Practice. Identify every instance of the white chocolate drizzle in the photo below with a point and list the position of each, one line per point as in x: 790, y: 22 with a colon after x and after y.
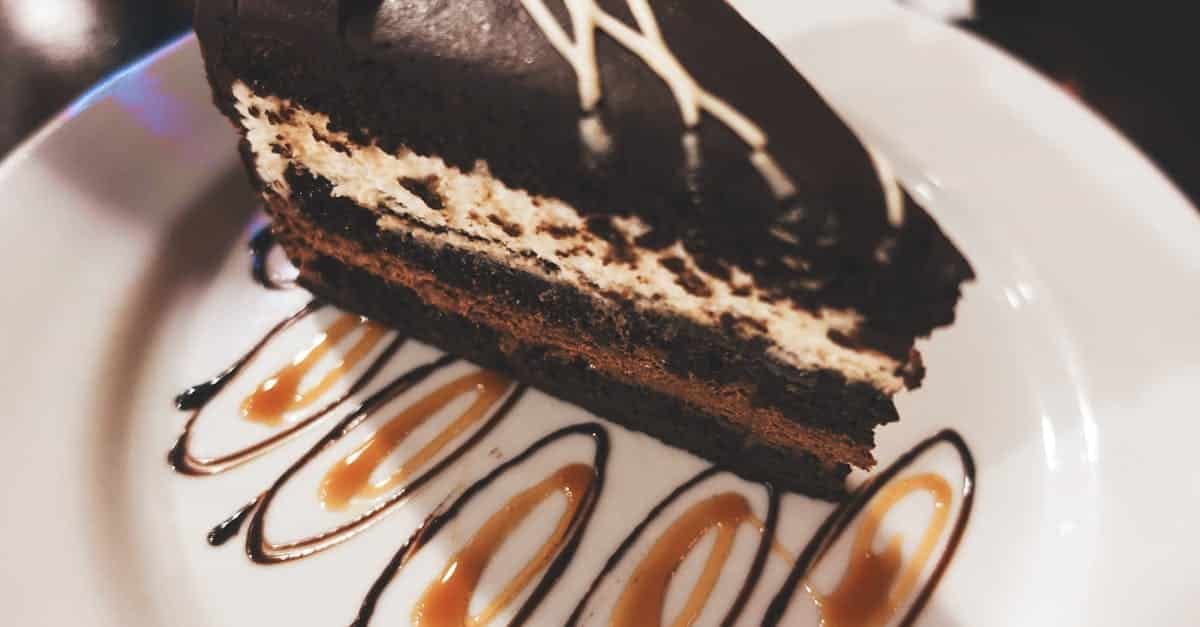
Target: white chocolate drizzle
x: 594, y: 135
x: 648, y: 44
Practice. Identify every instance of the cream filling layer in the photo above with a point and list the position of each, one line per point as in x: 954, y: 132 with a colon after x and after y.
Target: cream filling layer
x: 281, y: 133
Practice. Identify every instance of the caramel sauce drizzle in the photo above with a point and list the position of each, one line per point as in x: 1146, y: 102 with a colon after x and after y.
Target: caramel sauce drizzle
x: 644, y: 597
x: 350, y: 478
x: 262, y: 551
x: 446, y: 602
x: 777, y: 549
x: 281, y: 393
x: 876, y: 584
x: 197, y: 397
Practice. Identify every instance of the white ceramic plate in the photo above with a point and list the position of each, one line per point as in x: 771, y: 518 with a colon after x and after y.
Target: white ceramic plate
x: 1072, y: 371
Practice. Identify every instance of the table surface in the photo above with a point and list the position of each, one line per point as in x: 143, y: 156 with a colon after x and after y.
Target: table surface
x: 1132, y: 68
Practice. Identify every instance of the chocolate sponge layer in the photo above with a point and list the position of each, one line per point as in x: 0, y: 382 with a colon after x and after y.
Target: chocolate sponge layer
x: 708, y: 368
x: 319, y: 252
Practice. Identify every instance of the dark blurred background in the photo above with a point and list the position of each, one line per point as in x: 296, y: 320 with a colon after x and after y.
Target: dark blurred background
x: 1133, y: 62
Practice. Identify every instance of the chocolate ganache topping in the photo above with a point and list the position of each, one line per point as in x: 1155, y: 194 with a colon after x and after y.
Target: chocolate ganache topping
x: 677, y: 112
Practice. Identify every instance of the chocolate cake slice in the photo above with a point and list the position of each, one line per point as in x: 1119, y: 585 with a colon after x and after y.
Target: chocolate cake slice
x: 636, y: 205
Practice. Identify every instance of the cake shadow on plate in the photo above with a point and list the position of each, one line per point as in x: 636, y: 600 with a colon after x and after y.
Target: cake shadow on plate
x: 187, y: 257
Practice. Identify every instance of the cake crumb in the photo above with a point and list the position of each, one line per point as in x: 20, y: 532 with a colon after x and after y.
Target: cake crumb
x: 426, y: 190
x: 558, y: 231
x: 511, y: 229
x: 687, y: 278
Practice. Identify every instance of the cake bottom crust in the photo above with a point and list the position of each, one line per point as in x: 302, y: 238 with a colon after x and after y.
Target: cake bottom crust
x: 322, y: 260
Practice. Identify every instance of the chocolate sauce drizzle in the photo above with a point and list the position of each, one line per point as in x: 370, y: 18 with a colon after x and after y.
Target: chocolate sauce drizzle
x: 263, y: 552
x: 259, y: 550
x: 228, y: 529
x: 841, y: 519
x: 197, y: 397
x: 439, y: 519
x: 261, y: 245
